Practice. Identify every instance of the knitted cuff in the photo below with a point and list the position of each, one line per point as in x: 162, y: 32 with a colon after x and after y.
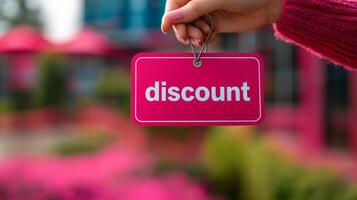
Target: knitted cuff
x: 326, y: 28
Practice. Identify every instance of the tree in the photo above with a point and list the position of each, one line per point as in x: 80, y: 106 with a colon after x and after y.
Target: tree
x: 15, y: 12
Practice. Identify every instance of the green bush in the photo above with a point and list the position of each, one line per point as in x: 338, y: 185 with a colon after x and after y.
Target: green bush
x: 51, y: 88
x: 84, y: 143
x: 21, y: 100
x: 115, y: 87
x: 244, y: 167
x: 4, y: 106
x: 320, y: 184
x: 351, y: 194
x: 179, y: 133
x: 224, y: 159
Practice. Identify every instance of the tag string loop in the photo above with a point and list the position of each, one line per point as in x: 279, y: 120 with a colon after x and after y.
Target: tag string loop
x: 197, y: 56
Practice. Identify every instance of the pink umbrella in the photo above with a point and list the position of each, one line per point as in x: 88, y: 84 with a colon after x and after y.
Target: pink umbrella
x: 24, y: 39
x: 87, y: 42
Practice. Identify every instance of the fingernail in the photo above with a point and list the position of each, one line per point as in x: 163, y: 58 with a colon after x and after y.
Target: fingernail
x: 207, y: 30
x: 162, y: 30
x: 196, y: 42
x: 175, y: 15
x: 183, y: 41
x: 187, y: 41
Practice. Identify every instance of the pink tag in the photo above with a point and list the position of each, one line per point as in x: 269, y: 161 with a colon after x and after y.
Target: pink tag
x: 167, y: 90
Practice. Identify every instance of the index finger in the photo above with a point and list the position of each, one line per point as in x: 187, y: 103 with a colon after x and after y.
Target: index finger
x: 171, y: 5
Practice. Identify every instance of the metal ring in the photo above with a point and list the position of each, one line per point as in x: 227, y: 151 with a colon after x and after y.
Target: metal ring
x: 197, y: 57
x: 197, y: 63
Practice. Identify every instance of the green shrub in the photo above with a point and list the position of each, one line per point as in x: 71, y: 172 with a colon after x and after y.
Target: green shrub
x: 179, y: 133
x: 115, y: 87
x: 4, y: 106
x: 350, y: 194
x: 319, y: 184
x: 51, y: 88
x: 21, y: 100
x: 244, y: 167
x: 84, y: 143
x: 225, y: 157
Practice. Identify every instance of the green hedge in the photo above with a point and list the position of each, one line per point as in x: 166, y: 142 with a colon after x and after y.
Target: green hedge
x: 243, y: 167
x: 115, y: 87
x: 84, y: 143
x: 51, y: 88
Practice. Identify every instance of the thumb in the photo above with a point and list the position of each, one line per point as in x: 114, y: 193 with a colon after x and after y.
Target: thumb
x: 193, y: 10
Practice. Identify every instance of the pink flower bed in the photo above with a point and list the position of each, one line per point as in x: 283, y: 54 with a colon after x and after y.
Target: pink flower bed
x: 108, y: 175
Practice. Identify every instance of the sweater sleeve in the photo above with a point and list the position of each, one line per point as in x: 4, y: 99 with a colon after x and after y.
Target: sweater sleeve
x: 327, y: 28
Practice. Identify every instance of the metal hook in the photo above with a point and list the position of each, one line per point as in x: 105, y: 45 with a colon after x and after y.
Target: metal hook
x: 197, y: 57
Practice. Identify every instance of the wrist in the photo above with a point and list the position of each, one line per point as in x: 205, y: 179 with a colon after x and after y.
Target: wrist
x: 274, y: 10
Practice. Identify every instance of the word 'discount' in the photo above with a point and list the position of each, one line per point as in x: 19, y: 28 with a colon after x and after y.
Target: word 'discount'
x: 162, y: 92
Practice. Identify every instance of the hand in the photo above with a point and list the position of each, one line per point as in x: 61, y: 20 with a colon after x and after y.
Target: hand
x: 187, y: 19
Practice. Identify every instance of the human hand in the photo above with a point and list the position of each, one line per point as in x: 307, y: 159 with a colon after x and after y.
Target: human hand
x: 187, y: 19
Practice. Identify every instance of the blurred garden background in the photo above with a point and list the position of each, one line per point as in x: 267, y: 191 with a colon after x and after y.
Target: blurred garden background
x: 65, y: 131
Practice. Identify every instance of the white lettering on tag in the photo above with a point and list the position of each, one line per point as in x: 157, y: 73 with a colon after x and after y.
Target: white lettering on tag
x: 160, y: 92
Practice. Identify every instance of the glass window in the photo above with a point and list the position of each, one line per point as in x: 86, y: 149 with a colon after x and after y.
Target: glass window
x: 337, y: 103
x: 281, y: 71
x: 90, y: 10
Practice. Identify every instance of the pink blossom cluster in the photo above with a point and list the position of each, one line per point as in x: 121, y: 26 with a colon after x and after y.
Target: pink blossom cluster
x: 108, y: 175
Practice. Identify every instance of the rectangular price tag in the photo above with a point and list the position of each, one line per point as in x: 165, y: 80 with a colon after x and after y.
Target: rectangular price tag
x: 168, y: 90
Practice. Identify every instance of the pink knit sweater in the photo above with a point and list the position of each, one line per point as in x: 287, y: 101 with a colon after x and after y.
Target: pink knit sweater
x: 327, y: 28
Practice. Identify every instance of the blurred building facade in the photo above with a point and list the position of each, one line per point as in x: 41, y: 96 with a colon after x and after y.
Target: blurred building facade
x: 125, y: 20
x: 304, y: 94
x: 78, y: 99
x: 313, y: 98
x: 314, y: 101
